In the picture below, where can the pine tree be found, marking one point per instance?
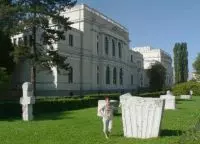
(40, 18)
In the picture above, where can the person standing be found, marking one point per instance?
(107, 116)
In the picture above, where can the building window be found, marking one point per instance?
(70, 75)
(121, 76)
(98, 74)
(97, 44)
(115, 76)
(14, 41)
(113, 47)
(30, 41)
(106, 45)
(120, 50)
(107, 75)
(25, 40)
(141, 81)
(131, 79)
(131, 58)
(70, 40)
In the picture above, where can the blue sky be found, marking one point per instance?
(158, 23)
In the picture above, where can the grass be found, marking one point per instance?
(84, 127)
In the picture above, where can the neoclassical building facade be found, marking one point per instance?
(99, 54)
(98, 51)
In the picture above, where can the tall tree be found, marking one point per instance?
(157, 76)
(42, 19)
(180, 62)
(196, 66)
(5, 55)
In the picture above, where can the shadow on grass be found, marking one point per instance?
(39, 116)
(53, 116)
(166, 132)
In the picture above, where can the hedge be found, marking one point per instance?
(152, 94)
(58, 104)
(184, 88)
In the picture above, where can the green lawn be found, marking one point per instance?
(84, 127)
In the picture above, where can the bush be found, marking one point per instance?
(184, 88)
(152, 94)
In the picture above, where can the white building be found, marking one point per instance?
(98, 51)
(152, 55)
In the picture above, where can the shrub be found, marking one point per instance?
(184, 88)
(152, 94)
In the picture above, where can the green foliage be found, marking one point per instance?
(180, 62)
(152, 94)
(196, 64)
(157, 76)
(184, 88)
(6, 48)
(38, 19)
(4, 79)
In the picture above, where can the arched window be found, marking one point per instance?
(106, 45)
(98, 74)
(113, 47)
(131, 58)
(141, 81)
(71, 40)
(120, 50)
(70, 75)
(107, 75)
(115, 76)
(131, 79)
(97, 44)
(121, 76)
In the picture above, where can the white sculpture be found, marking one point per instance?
(141, 116)
(187, 97)
(191, 92)
(170, 100)
(27, 101)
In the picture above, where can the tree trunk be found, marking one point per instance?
(33, 71)
(33, 79)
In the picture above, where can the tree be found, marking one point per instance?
(196, 66)
(5, 55)
(157, 76)
(42, 19)
(180, 62)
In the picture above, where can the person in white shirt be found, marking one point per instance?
(107, 116)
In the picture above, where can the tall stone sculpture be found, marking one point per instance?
(170, 100)
(141, 116)
(27, 101)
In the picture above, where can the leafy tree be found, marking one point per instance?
(39, 19)
(6, 48)
(4, 78)
(180, 62)
(157, 76)
(196, 66)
